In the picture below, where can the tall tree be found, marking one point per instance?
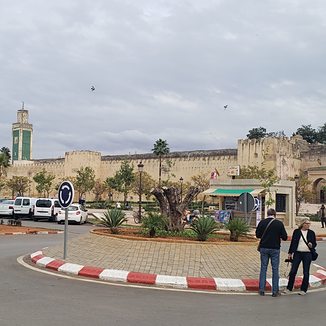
(85, 180)
(267, 179)
(321, 134)
(122, 180)
(160, 149)
(302, 192)
(147, 184)
(18, 185)
(308, 133)
(43, 181)
(257, 133)
(99, 188)
(5, 158)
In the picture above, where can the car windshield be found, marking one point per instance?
(18, 201)
(43, 203)
(10, 202)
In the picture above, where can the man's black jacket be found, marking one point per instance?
(275, 232)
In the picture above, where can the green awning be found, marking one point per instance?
(231, 192)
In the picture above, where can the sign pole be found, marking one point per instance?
(65, 196)
(65, 235)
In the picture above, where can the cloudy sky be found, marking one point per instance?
(161, 69)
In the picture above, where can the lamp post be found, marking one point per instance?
(296, 180)
(181, 181)
(140, 170)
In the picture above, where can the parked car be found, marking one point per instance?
(46, 208)
(7, 208)
(76, 213)
(24, 207)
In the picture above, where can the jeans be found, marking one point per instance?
(305, 258)
(265, 255)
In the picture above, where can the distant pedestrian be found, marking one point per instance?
(270, 232)
(303, 239)
(322, 215)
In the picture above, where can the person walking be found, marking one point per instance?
(303, 240)
(322, 216)
(270, 231)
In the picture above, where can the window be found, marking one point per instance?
(26, 202)
(281, 203)
(43, 203)
(18, 201)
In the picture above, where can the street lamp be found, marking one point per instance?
(296, 180)
(181, 181)
(140, 170)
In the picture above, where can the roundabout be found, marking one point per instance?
(221, 267)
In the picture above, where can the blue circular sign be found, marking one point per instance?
(66, 194)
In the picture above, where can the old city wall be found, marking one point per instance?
(287, 155)
(182, 164)
(30, 168)
(282, 154)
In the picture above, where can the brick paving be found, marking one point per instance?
(233, 260)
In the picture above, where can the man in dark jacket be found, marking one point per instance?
(270, 244)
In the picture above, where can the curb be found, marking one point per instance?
(32, 232)
(187, 282)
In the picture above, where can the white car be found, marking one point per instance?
(76, 213)
(7, 207)
(24, 207)
(46, 208)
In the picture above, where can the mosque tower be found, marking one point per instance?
(22, 132)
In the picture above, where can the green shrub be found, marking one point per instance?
(237, 227)
(204, 226)
(154, 222)
(113, 218)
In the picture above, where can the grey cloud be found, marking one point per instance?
(161, 69)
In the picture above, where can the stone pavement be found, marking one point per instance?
(225, 261)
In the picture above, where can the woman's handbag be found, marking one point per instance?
(314, 254)
(258, 247)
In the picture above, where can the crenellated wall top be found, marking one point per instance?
(182, 154)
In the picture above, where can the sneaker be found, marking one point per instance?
(262, 293)
(286, 291)
(302, 293)
(277, 294)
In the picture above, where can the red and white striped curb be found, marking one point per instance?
(186, 282)
(36, 232)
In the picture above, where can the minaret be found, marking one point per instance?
(22, 132)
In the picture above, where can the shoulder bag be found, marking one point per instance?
(258, 247)
(314, 254)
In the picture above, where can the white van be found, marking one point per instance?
(24, 207)
(46, 208)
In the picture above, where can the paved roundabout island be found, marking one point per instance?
(225, 267)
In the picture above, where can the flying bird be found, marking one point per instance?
(92, 88)
(225, 107)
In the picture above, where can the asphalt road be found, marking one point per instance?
(32, 298)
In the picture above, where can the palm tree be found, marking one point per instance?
(161, 148)
(4, 159)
